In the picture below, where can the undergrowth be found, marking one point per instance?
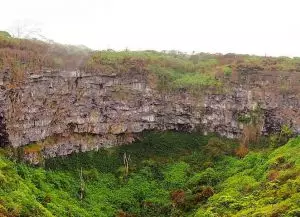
(170, 174)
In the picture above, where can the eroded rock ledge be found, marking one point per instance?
(105, 110)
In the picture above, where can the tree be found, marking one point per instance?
(81, 190)
(126, 163)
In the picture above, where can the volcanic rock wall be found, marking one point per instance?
(60, 112)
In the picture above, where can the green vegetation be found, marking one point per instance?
(163, 174)
(169, 174)
(227, 71)
(196, 73)
(5, 34)
(172, 71)
(166, 71)
(282, 137)
(245, 118)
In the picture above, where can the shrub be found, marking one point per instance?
(164, 182)
(176, 174)
(217, 147)
(295, 212)
(206, 192)
(273, 175)
(242, 151)
(178, 197)
(281, 138)
(204, 213)
(227, 70)
(207, 177)
(246, 118)
(91, 175)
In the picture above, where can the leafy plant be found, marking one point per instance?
(227, 70)
(164, 180)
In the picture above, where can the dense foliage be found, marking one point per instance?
(163, 174)
(169, 174)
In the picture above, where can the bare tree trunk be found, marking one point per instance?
(81, 191)
(126, 163)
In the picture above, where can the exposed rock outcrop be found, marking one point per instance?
(80, 111)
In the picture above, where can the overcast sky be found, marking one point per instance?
(261, 27)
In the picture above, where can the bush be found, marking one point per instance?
(217, 147)
(204, 213)
(207, 177)
(282, 137)
(178, 197)
(227, 70)
(241, 151)
(176, 174)
(205, 193)
(164, 182)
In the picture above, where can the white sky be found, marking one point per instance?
(239, 26)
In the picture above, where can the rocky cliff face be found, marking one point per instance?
(68, 111)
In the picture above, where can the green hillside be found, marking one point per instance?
(168, 174)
